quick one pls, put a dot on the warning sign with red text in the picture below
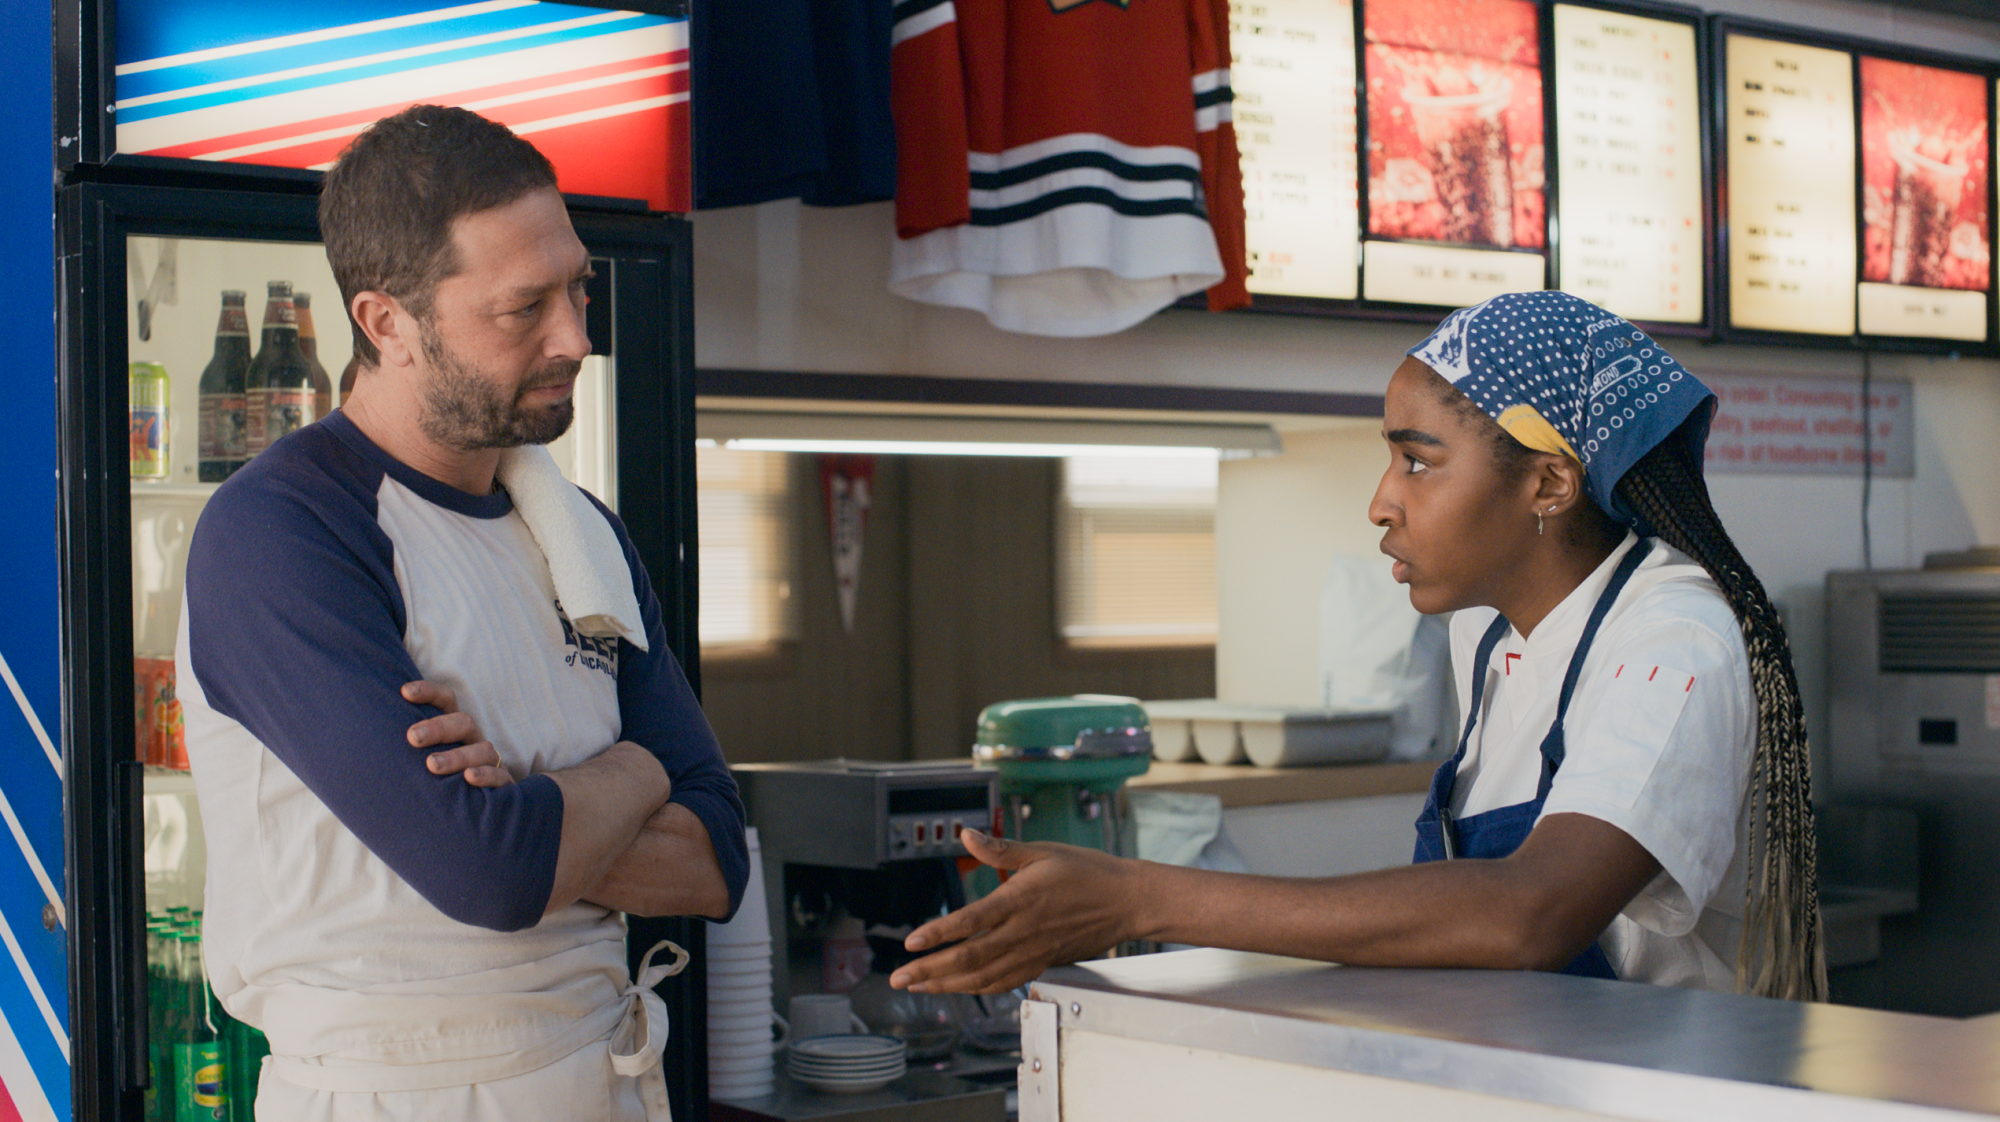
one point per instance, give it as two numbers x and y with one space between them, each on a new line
1794 425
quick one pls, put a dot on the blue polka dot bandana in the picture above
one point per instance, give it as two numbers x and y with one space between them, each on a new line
1563 375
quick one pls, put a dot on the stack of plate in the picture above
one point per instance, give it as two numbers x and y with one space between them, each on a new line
848 1064
740 1040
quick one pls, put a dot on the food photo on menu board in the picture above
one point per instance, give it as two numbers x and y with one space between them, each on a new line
1926 266
1455 148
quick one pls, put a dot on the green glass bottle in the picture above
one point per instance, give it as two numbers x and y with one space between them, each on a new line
199 1083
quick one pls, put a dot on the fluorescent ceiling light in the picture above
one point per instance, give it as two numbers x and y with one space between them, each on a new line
917 435
968 448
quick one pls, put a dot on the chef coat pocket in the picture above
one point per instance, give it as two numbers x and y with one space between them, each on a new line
1636 715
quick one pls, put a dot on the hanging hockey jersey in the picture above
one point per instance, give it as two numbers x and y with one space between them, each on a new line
1066 167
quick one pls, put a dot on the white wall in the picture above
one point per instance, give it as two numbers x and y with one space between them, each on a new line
785 287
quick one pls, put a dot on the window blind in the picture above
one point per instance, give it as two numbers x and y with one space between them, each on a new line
1135 552
746 503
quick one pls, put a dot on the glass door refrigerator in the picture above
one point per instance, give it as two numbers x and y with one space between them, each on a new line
159 283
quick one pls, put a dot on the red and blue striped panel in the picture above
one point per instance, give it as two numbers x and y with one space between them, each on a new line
604 94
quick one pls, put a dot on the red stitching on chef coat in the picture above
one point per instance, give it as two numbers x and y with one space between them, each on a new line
1621 669
1511 656
1654 674
1690 688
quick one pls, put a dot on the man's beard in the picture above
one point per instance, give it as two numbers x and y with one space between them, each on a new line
466 412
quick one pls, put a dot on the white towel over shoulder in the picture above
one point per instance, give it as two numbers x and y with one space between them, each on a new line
591 577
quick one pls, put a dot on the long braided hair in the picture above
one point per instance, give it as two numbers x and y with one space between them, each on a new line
1782 954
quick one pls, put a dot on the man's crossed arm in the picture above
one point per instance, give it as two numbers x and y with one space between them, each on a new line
624 846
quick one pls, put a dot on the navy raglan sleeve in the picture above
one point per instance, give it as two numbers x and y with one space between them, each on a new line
660 714
295 630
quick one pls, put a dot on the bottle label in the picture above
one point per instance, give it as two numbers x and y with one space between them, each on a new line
149 442
225 430
147 392
198 1083
286 410
254 418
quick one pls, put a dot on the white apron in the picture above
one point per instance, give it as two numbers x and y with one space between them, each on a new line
537 1080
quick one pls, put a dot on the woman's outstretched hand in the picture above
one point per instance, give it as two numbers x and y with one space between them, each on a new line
1061 905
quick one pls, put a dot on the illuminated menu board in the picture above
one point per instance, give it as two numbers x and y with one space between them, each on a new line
1628 135
1925 263
1456 212
1790 121
1293 74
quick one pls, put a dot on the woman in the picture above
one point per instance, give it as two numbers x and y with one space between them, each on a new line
1630 795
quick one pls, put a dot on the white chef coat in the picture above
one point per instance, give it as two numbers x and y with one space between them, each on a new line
1659 738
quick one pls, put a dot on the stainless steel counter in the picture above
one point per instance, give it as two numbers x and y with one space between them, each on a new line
1602 1049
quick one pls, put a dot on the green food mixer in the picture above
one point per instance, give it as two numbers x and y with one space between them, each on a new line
1062 761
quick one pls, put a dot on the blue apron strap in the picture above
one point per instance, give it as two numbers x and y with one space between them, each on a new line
1446 779
1553 749
1480 661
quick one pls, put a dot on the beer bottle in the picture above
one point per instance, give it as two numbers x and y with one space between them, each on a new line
198 1071
147 387
223 436
280 397
309 344
243 1052
159 1062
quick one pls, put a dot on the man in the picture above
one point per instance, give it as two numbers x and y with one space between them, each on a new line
429 933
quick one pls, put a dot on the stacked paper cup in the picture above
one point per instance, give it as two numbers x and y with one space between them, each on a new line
740 1039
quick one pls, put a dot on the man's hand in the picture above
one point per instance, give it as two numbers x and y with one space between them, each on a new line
475 757
1062 904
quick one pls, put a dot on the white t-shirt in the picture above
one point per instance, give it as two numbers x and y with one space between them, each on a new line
1658 743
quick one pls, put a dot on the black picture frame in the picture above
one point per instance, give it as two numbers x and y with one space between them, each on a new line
1704 328
1720 28
1365 309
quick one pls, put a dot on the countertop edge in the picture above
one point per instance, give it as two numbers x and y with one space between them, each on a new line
1239 785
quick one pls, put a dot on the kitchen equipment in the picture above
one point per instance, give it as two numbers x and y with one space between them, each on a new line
1062 762
1914 681
854 842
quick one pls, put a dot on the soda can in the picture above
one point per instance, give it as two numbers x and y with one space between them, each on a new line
147 389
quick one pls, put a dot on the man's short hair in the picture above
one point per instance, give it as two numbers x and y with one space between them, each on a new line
387 208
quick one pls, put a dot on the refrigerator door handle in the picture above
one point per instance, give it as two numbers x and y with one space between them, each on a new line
129 988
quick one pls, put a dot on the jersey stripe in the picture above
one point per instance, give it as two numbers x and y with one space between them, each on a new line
1100 161
914 17
1077 196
